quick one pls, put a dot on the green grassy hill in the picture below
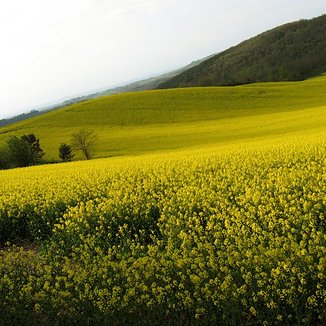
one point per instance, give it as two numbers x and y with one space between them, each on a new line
294 51
134 123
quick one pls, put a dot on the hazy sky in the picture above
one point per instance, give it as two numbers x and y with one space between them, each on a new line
52 49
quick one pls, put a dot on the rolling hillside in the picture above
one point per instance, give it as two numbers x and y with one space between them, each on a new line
293 51
135 123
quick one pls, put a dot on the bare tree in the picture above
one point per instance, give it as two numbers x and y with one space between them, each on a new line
84 141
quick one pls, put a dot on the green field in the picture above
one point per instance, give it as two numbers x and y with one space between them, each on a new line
135 123
218 220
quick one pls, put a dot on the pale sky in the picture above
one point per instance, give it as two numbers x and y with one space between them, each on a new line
53 49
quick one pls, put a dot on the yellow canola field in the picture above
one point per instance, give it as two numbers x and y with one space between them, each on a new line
225 234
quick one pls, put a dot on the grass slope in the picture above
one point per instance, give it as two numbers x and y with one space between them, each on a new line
135 123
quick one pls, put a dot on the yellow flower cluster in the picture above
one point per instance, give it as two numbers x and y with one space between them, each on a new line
227 236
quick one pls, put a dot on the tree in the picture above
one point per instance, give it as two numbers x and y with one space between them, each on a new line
25 150
36 149
4 161
84 141
65 152
20 152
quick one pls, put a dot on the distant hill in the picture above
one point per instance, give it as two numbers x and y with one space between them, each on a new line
290 52
23 116
152 82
